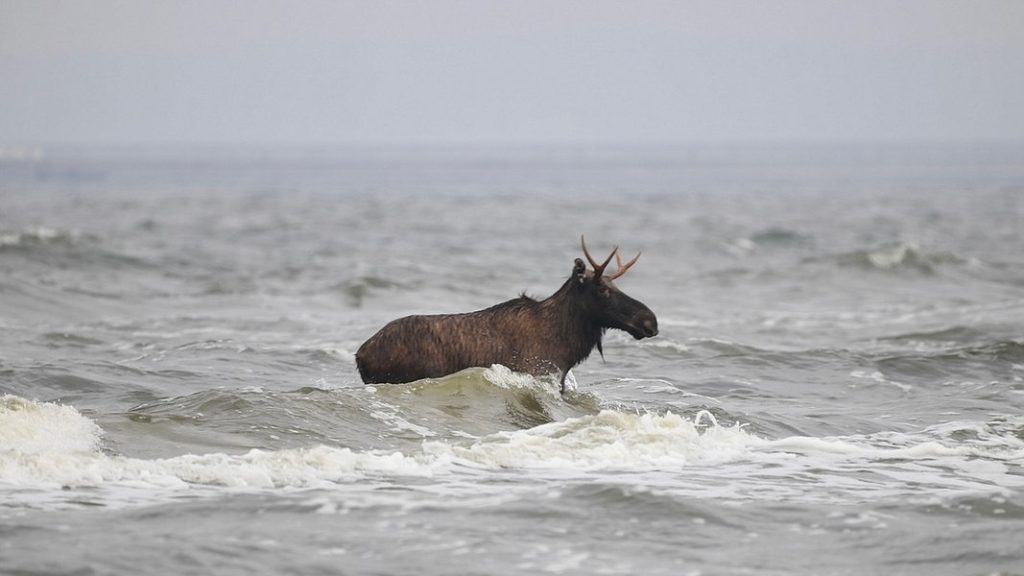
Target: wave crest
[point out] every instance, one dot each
(39, 236)
(55, 444)
(29, 427)
(68, 249)
(609, 440)
(899, 257)
(954, 461)
(484, 400)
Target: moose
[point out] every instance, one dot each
(542, 338)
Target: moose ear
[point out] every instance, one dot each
(579, 271)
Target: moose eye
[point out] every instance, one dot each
(603, 291)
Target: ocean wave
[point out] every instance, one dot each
(40, 236)
(68, 339)
(665, 347)
(28, 427)
(900, 257)
(48, 444)
(357, 290)
(609, 440)
(480, 401)
(474, 402)
(296, 467)
(940, 465)
(254, 418)
(50, 447)
(44, 444)
(952, 335)
(1002, 434)
(1008, 351)
(778, 236)
(943, 355)
(65, 248)
(722, 347)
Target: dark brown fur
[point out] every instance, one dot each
(536, 337)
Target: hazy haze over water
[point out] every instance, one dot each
(581, 72)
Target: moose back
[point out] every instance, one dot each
(538, 337)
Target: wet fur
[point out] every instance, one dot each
(526, 335)
(542, 337)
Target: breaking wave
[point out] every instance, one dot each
(962, 341)
(39, 236)
(52, 445)
(28, 427)
(48, 447)
(609, 440)
(899, 257)
(472, 403)
(70, 249)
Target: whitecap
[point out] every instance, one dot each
(609, 440)
(29, 427)
(504, 377)
(37, 235)
(45, 447)
(44, 444)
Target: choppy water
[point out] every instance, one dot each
(837, 387)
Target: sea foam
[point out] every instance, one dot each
(44, 446)
(609, 440)
(33, 427)
(48, 444)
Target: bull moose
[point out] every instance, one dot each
(541, 338)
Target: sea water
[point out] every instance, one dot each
(837, 387)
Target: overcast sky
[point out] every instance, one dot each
(444, 71)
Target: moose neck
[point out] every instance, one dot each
(577, 328)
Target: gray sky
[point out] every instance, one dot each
(594, 71)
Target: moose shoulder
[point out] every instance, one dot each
(538, 337)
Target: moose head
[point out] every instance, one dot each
(605, 303)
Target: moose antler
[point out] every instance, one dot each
(598, 268)
(622, 269)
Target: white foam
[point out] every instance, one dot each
(504, 377)
(609, 440)
(830, 446)
(388, 415)
(297, 468)
(983, 442)
(39, 234)
(44, 446)
(31, 427)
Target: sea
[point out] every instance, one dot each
(837, 387)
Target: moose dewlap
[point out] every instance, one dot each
(539, 337)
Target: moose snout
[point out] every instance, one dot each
(650, 326)
(643, 325)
